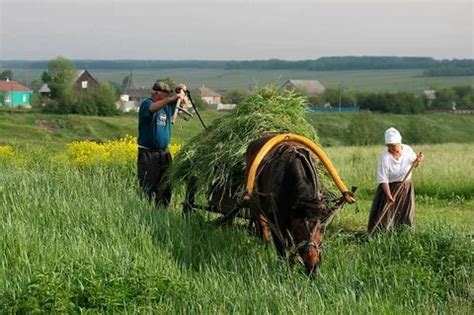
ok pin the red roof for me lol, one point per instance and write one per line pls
(6, 86)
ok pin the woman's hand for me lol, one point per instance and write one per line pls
(419, 158)
(390, 198)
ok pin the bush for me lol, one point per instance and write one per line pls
(444, 99)
(233, 97)
(364, 129)
(397, 103)
(104, 97)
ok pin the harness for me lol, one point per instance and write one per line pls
(268, 154)
(313, 147)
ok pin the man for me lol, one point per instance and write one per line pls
(154, 135)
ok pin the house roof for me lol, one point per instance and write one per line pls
(204, 91)
(131, 83)
(309, 86)
(80, 73)
(141, 92)
(44, 89)
(7, 85)
(430, 94)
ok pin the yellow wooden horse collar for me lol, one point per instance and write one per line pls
(270, 144)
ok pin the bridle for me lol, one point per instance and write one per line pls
(306, 245)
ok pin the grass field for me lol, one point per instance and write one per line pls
(83, 239)
(220, 79)
(26, 129)
(54, 131)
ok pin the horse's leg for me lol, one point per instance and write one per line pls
(264, 228)
(188, 204)
(259, 225)
(280, 247)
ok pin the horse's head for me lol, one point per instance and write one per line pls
(308, 238)
(308, 207)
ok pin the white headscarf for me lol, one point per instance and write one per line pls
(392, 136)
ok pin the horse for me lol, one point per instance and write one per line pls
(288, 202)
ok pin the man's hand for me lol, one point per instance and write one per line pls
(181, 86)
(180, 92)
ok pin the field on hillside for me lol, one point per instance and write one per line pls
(81, 238)
(27, 129)
(221, 79)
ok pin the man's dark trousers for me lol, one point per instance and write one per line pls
(153, 175)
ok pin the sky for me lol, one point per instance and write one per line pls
(234, 29)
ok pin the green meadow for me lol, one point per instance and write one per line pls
(222, 79)
(83, 239)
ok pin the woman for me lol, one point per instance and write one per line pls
(392, 172)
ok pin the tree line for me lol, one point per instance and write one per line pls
(458, 97)
(320, 64)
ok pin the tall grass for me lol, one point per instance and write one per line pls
(84, 240)
(446, 173)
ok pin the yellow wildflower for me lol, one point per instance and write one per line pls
(6, 152)
(122, 151)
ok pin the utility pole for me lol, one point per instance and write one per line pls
(219, 76)
(26, 75)
(11, 98)
(340, 95)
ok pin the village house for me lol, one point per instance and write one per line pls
(14, 94)
(84, 81)
(211, 97)
(44, 90)
(309, 87)
(132, 97)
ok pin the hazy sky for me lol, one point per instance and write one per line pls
(235, 29)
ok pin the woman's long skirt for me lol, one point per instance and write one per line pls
(401, 212)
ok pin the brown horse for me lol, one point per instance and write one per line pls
(287, 202)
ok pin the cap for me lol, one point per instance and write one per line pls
(161, 86)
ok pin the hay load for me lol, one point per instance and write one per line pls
(214, 159)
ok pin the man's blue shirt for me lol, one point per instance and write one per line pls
(154, 129)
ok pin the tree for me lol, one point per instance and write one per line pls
(85, 105)
(199, 103)
(344, 96)
(35, 85)
(116, 87)
(99, 101)
(7, 74)
(233, 97)
(398, 103)
(104, 97)
(60, 77)
(444, 99)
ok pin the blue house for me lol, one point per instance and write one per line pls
(13, 94)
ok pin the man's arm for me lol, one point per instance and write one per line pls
(156, 106)
(180, 94)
